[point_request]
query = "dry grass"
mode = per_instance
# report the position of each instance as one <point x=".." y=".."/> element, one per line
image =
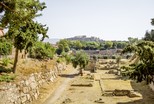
<point x="29" y="66"/>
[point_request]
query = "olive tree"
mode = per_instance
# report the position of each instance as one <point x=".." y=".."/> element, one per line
<point x="80" y="59"/>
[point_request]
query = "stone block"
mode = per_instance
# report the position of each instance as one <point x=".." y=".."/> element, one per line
<point x="23" y="99"/>
<point x="118" y="92"/>
<point x="25" y="89"/>
<point x="133" y="94"/>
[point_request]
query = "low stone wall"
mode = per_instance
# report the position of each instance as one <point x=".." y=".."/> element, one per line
<point x="25" y="91"/>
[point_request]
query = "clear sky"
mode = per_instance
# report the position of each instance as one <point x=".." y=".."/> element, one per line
<point x="106" y="19"/>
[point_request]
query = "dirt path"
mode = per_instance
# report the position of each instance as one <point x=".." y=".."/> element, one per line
<point x="59" y="90"/>
<point x="88" y="95"/>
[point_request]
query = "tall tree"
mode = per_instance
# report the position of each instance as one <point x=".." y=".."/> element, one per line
<point x="18" y="17"/>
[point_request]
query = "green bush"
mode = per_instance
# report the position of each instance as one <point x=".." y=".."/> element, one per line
<point x="5" y="47"/>
<point x="7" y="78"/>
<point x="42" y="51"/>
<point x="61" y="59"/>
<point x="2" y="69"/>
<point x="5" y="61"/>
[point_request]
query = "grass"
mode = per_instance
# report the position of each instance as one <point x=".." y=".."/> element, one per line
<point x="7" y="77"/>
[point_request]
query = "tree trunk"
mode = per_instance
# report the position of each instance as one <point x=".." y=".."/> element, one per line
<point x="81" y="72"/>
<point x="15" y="60"/>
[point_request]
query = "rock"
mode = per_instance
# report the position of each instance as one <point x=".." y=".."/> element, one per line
<point x="68" y="100"/>
<point x="118" y="92"/>
<point x="99" y="101"/>
<point x="112" y="71"/>
<point x="134" y="94"/>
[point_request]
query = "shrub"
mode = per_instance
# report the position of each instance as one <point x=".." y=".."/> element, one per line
<point x="42" y="51"/>
<point x="5" y="61"/>
<point x="2" y="69"/>
<point x="5" y="47"/>
<point x="7" y="78"/>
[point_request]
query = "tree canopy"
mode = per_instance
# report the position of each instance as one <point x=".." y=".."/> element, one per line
<point x="18" y="17"/>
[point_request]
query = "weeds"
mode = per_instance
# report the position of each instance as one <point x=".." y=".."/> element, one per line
<point x="7" y="78"/>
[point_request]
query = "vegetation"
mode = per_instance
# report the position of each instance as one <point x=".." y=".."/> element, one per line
<point x="80" y="59"/>
<point x="144" y="68"/>
<point x="18" y="17"/>
<point x="5" y="47"/>
<point x="42" y="51"/>
<point x="5" y="61"/>
<point x="7" y="78"/>
<point x="63" y="46"/>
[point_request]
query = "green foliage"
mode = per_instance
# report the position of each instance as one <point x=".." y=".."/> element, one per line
<point x="149" y="36"/>
<point x="144" y="69"/>
<point x="42" y="51"/>
<point x="7" y="78"/>
<point x="5" y="61"/>
<point x="61" y="59"/>
<point x="108" y="44"/>
<point x="5" y="70"/>
<point x="80" y="59"/>
<point x="63" y="46"/>
<point x="68" y="59"/>
<point x="5" y="47"/>
<point x="18" y="17"/>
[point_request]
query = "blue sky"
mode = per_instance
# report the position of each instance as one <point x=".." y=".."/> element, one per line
<point x="106" y="19"/>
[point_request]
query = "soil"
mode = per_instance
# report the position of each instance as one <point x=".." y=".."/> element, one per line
<point x="64" y="93"/>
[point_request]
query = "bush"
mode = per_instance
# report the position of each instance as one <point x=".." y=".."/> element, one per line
<point x="2" y="69"/>
<point x="7" y="78"/>
<point x="60" y="59"/>
<point x="5" y="61"/>
<point x="42" y="51"/>
<point x="5" y="47"/>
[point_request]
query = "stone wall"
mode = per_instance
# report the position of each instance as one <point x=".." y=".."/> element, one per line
<point x="26" y="90"/>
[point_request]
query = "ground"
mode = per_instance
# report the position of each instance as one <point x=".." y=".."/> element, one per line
<point x="64" y="93"/>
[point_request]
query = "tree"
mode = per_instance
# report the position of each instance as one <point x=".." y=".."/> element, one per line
<point x="144" y="68"/>
<point x="132" y="40"/>
<point x="108" y="44"/>
<point x="18" y="17"/>
<point x="42" y="51"/>
<point x="118" y="59"/>
<point x="80" y="59"/>
<point x="149" y="36"/>
<point x="63" y="46"/>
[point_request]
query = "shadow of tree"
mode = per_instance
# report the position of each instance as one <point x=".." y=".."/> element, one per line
<point x="68" y="75"/>
<point x="5" y="70"/>
<point x="145" y="91"/>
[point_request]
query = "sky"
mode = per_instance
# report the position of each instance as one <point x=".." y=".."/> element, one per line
<point x="106" y="19"/>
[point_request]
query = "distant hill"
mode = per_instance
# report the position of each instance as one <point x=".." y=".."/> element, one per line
<point x="52" y="41"/>
<point x="85" y="38"/>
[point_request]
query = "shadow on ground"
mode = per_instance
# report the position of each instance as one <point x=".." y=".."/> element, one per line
<point x="145" y="91"/>
<point x="68" y="75"/>
<point x="5" y="70"/>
